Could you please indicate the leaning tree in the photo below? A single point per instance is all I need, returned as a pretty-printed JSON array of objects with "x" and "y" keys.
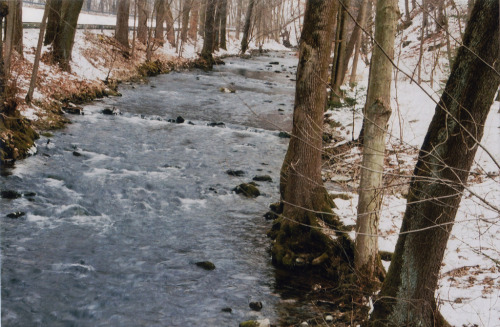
[{"x": 407, "y": 297}]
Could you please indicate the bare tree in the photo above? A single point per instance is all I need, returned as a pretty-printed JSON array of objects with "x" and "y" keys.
[
  {"x": 246, "y": 27},
  {"x": 305, "y": 200},
  {"x": 186, "y": 9},
  {"x": 65, "y": 37},
  {"x": 440, "y": 176},
  {"x": 193, "y": 21},
  {"x": 376, "y": 115},
  {"x": 209, "y": 27},
  {"x": 142, "y": 25},
  {"x": 122, "y": 17},
  {"x": 36, "y": 63},
  {"x": 54, "y": 20}
]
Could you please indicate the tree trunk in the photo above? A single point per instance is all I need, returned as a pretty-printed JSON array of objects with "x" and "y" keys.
[
  {"x": 36, "y": 63},
  {"x": 121, "y": 31},
  {"x": 64, "y": 39},
  {"x": 4, "y": 9},
  {"x": 160, "y": 19},
  {"x": 407, "y": 10},
  {"x": 355, "y": 38},
  {"x": 186, "y": 9},
  {"x": 18, "y": 27},
  {"x": 208, "y": 42},
  {"x": 301, "y": 186},
  {"x": 377, "y": 113},
  {"x": 340, "y": 54},
  {"x": 193, "y": 22},
  {"x": 53, "y": 20},
  {"x": 142, "y": 25},
  {"x": 169, "y": 19},
  {"x": 246, "y": 27},
  {"x": 444, "y": 162},
  {"x": 217, "y": 26},
  {"x": 223, "y": 22},
  {"x": 238, "y": 18}
]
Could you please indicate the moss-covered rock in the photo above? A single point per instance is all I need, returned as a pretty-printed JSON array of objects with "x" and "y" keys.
[
  {"x": 207, "y": 265},
  {"x": 249, "y": 190}
]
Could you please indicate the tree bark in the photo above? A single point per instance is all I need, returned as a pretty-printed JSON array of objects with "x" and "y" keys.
[
  {"x": 53, "y": 20},
  {"x": 160, "y": 19},
  {"x": 223, "y": 22},
  {"x": 444, "y": 162},
  {"x": 193, "y": 22},
  {"x": 355, "y": 38},
  {"x": 65, "y": 38},
  {"x": 246, "y": 27},
  {"x": 209, "y": 26},
  {"x": 301, "y": 186},
  {"x": 169, "y": 19},
  {"x": 186, "y": 9},
  {"x": 340, "y": 52},
  {"x": 238, "y": 18},
  {"x": 121, "y": 31},
  {"x": 4, "y": 10},
  {"x": 142, "y": 25},
  {"x": 377, "y": 113}
]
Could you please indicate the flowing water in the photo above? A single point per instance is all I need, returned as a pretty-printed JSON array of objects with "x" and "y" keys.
[{"x": 119, "y": 208}]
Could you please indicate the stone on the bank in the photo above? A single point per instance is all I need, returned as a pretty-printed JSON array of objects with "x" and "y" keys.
[
  {"x": 256, "y": 323},
  {"x": 207, "y": 265},
  {"x": 247, "y": 189}
]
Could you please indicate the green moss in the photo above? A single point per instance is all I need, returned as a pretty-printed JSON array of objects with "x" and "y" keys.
[
  {"x": 249, "y": 323},
  {"x": 17, "y": 136},
  {"x": 152, "y": 68},
  {"x": 249, "y": 190}
]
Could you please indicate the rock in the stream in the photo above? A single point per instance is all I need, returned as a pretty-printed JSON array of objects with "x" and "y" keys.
[
  {"x": 10, "y": 194},
  {"x": 111, "y": 111},
  {"x": 15, "y": 215},
  {"x": 179, "y": 120},
  {"x": 73, "y": 110},
  {"x": 255, "y": 306},
  {"x": 263, "y": 178},
  {"x": 227, "y": 90},
  {"x": 216, "y": 124},
  {"x": 29, "y": 194},
  {"x": 207, "y": 265},
  {"x": 232, "y": 172},
  {"x": 229, "y": 310},
  {"x": 247, "y": 189},
  {"x": 77, "y": 154}
]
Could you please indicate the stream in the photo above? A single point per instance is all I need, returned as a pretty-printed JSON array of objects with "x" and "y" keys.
[{"x": 119, "y": 208}]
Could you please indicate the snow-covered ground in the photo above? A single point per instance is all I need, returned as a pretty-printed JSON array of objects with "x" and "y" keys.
[{"x": 469, "y": 288}]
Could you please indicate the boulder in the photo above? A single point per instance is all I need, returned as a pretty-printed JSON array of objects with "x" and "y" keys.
[
  {"x": 179, "y": 120},
  {"x": 111, "y": 111},
  {"x": 216, "y": 124}
]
